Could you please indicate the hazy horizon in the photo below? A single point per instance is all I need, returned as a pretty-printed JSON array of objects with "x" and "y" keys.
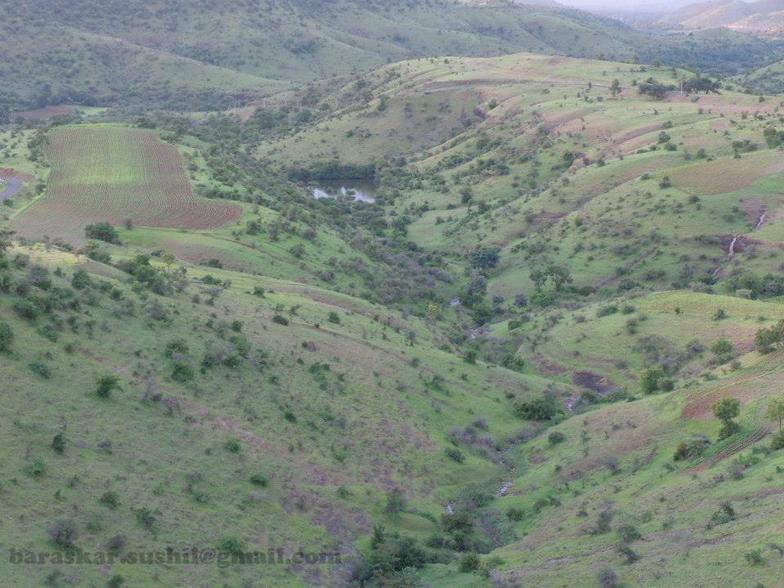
[{"x": 629, "y": 5}]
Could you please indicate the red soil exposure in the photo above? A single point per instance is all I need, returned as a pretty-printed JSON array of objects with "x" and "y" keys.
[
  {"x": 594, "y": 382},
  {"x": 744, "y": 389},
  {"x": 9, "y": 172},
  {"x": 44, "y": 113}
]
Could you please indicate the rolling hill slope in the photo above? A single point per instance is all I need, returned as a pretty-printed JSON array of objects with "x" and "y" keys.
[
  {"x": 761, "y": 17},
  {"x": 202, "y": 56},
  {"x": 500, "y": 372}
]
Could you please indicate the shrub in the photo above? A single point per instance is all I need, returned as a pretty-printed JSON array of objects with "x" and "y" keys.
[
  {"x": 177, "y": 346},
  {"x": 334, "y": 318},
  {"x": 396, "y": 502},
  {"x": 767, "y": 339},
  {"x": 725, "y": 514},
  {"x": 230, "y": 545},
  {"x": 468, "y": 563},
  {"x": 515, "y": 514},
  {"x": 777, "y": 441},
  {"x": 259, "y": 480},
  {"x": 6, "y": 337},
  {"x": 63, "y": 533},
  {"x": 397, "y": 553},
  {"x": 454, "y": 454},
  {"x": 39, "y": 368},
  {"x": 58, "y": 443},
  {"x": 110, "y": 499},
  {"x": 36, "y": 468},
  {"x": 27, "y": 309},
  {"x": 651, "y": 379},
  {"x": 146, "y": 518},
  {"x": 691, "y": 449},
  {"x": 607, "y": 578},
  {"x": 102, "y": 232},
  {"x": 628, "y": 534},
  {"x": 606, "y": 310},
  {"x": 115, "y": 544},
  {"x": 106, "y": 385},
  {"x": 629, "y": 553},
  {"x": 540, "y": 409},
  {"x": 182, "y": 372},
  {"x": 722, "y": 347},
  {"x": 233, "y": 446},
  {"x": 754, "y": 557},
  {"x": 281, "y": 320},
  {"x": 556, "y": 437}
]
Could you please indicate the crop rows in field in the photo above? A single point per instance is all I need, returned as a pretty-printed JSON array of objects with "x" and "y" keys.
[{"x": 116, "y": 174}]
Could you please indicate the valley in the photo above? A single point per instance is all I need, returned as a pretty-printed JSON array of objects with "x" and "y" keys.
[{"x": 418, "y": 295}]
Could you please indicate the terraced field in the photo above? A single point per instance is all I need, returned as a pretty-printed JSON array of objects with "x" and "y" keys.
[{"x": 116, "y": 174}]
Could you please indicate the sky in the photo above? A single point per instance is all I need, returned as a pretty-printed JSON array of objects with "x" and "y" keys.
[{"x": 628, "y": 5}]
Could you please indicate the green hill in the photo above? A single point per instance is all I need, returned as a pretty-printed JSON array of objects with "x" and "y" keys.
[
  {"x": 499, "y": 369},
  {"x": 212, "y": 56}
]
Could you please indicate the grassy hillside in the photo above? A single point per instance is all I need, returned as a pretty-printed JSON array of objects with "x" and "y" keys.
[
  {"x": 481, "y": 378},
  {"x": 205, "y": 56}
]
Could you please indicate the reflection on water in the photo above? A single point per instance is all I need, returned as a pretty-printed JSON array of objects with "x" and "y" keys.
[{"x": 359, "y": 190}]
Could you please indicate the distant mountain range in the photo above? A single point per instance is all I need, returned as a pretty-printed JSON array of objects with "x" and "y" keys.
[{"x": 765, "y": 17}]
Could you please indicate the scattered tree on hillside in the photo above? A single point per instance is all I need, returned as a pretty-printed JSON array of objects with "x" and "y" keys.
[
  {"x": 776, "y": 411},
  {"x": 773, "y": 137},
  {"x": 102, "y": 232},
  {"x": 554, "y": 276},
  {"x": 539, "y": 409},
  {"x": 768, "y": 339},
  {"x": 700, "y": 84},
  {"x": 653, "y": 379},
  {"x": 653, "y": 88},
  {"x": 485, "y": 257},
  {"x": 725, "y": 410}
]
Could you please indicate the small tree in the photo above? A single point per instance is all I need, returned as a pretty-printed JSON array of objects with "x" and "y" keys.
[
  {"x": 776, "y": 411},
  {"x": 396, "y": 502},
  {"x": 651, "y": 379},
  {"x": 58, "y": 443},
  {"x": 767, "y": 339},
  {"x": 725, "y": 410}
]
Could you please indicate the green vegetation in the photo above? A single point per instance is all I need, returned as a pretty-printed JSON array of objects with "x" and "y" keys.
[{"x": 458, "y": 321}]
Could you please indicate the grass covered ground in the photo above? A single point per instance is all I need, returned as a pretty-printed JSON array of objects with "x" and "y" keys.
[{"x": 446, "y": 387}]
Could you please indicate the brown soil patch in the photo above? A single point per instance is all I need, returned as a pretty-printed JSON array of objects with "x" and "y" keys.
[
  {"x": 9, "y": 172},
  {"x": 44, "y": 113},
  {"x": 92, "y": 181},
  {"x": 594, "y": 382}
]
